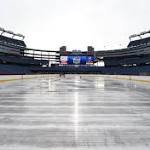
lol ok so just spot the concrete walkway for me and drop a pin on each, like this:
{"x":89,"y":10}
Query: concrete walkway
{"x":74,"y":113}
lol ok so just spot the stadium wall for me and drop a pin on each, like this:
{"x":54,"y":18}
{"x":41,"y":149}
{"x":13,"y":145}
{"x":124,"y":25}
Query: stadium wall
{"x":6,"y":78}
{"x":128,"y":77}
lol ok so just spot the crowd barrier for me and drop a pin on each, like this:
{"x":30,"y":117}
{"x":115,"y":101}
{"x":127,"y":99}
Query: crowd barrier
{"x":129,"y":77}
{"x":4,"y":78}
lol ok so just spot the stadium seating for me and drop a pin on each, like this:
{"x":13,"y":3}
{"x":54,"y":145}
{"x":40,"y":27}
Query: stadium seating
{"x":22,"y":60}
{"x":125,"y":61}
{"x":143,"y":41}
{"x":11,"y":41}
{"x":140,"y":70}
{"x":14,"y":69}
{"x":12,"y":52}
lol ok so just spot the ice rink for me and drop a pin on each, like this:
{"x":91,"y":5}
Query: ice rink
{"x":74,"y":112}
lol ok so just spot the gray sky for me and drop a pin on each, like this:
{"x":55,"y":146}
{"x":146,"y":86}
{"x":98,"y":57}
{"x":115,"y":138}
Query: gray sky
{"x":50,"y":24}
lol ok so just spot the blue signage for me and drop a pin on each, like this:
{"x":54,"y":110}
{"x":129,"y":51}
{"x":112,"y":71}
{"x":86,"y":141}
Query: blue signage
{"x":77,"y":60}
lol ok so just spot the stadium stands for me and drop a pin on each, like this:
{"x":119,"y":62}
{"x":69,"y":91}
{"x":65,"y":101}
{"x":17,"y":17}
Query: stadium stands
{"x":11,"y":46}
{"x":130,"y":60}
{"x":12,"y":69}
{"x":22,"y":60}
{"x":13,"y":59}
{"x":117,"y":70}
{"x":127,"y":61}
{"x":144,"y":41}
{"x":16,"y":58}
{"x":145,"y":49}
{"x":11,"y":41}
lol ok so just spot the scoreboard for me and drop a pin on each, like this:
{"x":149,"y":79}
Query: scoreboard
{"x":77,"y":60}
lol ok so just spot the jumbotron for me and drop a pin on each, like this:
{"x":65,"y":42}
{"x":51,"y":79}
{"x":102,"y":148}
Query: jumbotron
{"x":17,"y":59}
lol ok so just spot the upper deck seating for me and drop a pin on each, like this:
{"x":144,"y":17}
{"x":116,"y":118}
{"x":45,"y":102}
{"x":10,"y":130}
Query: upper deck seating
{"x":11,"y":41}
{"x":144,"y":41}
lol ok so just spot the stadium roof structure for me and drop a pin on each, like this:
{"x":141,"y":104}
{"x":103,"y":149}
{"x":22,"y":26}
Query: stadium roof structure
{"x":139,"y":35}
{"x":11,"y":32}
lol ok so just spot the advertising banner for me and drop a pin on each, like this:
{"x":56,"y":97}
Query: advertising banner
{"x":64,"y":60}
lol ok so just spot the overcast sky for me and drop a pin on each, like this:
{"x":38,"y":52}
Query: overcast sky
{"x":49,"y":24}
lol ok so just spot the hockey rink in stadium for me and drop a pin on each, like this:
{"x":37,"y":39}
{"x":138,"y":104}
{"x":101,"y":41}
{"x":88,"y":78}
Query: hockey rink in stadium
{"x":74,"y":112}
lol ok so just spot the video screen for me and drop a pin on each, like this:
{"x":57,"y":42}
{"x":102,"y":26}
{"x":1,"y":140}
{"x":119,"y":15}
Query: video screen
{"x":76,"y":60}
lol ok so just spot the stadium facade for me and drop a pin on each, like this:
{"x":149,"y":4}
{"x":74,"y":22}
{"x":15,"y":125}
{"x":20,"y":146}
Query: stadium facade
{"x":17,"y":58}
